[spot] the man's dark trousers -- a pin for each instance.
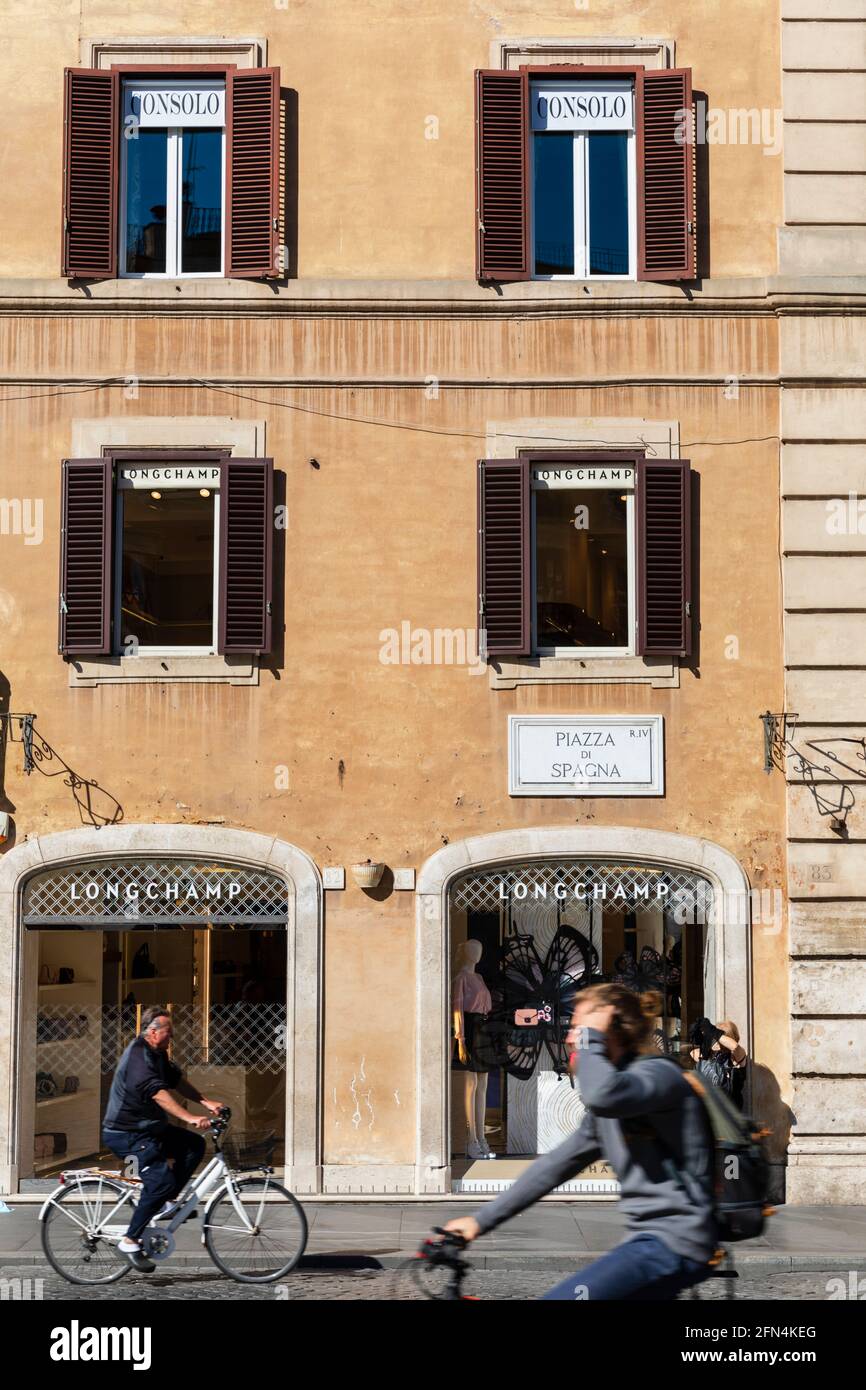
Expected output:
(160, 1180)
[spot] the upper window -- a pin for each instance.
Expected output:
(166, 554)
(166, 598)
(583, 557)
(583, 180)
(583, 175)
(172, 178)
(169, 175)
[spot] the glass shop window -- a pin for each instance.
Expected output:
(583, 559)
(583, 180)
(167, 563)
(173, 179)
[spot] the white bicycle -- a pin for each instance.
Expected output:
(253, 1228)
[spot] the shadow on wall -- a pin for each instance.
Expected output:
(771, 1110)
(96, 806)
(5, 803)
(702, 189)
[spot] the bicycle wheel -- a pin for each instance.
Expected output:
(275, 1241)
(72, 1237)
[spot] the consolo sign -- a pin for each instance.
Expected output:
(578, 106)
(173, 104)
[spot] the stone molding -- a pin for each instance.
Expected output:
(174, 48)
(511, 53)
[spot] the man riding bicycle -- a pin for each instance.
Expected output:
(136, 1127)
(647, 1122)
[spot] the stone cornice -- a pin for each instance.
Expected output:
(453, 299)
(504, 382)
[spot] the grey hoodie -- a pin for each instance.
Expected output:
(644, 1119)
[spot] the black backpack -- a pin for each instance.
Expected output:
(742, 1171)
(742, 1180)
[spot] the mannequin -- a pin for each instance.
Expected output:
(470, 1003)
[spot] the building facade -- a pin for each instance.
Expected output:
(415, 493)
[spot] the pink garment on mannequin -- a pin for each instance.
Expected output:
(469, 993)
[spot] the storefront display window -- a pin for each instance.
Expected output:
(538, 934)
(207, 941)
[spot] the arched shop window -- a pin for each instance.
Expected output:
(205, 940)
(548, 929)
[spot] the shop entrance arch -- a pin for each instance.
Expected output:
(536, 872)
(224, 927)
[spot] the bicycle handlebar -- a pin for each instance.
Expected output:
(445, 1251)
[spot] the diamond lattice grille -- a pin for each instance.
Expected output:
(150, 892)
(83, 1042)
(617, 887)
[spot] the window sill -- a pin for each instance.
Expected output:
(143, 670)
(659, 672)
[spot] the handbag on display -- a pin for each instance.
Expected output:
(45, 975)
(70, 1085)
(46, 1086)
(66, 975)
(143, 967)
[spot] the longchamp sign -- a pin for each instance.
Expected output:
(570, 755)
(150, 892)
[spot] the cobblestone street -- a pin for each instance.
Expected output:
(508, 1285)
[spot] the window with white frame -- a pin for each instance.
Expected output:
(583, 179)
(172, 196)
(583, 559)
(166, 558)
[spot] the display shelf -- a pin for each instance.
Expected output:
(75, 984)
(41, 1165)
(152, 979)
(83, 1093)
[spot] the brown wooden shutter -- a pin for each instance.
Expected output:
(246, 555)
(252, 171)
(91, 139)
(666, 193)
(501, 178)
(86, 557)
(663, 524)
(503, 556)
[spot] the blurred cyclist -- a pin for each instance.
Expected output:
(643, 1118)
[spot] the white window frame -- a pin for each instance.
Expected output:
(631, 561)
(173, 204)
(581, 219)
(147, 650)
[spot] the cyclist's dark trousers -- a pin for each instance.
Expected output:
(160, 1180)
(641, 1269)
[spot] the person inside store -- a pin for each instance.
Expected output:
(136, 1128)
(643, 1118)
(719, 1056)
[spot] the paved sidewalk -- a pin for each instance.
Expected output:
(551, 1236)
